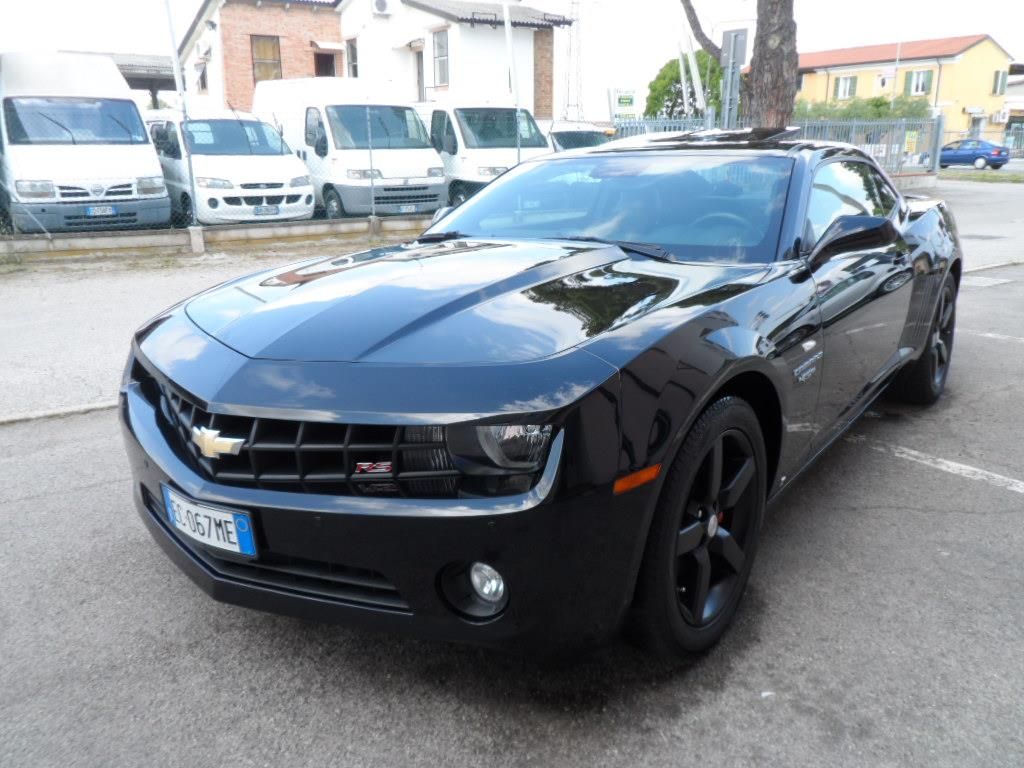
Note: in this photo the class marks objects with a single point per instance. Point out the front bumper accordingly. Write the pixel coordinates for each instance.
(215, 206)
(62, 217)
(419, 196)
(569, 561)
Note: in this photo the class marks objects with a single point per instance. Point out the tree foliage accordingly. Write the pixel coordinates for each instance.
(876, 108)
(665, 92)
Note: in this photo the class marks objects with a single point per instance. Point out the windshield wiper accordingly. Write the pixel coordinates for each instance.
(131, 136)
(644, 249)
(59, 124)
(440, 237)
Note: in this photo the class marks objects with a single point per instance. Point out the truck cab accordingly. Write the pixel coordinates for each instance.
(74, 151)
(478, 141)
(365, 153)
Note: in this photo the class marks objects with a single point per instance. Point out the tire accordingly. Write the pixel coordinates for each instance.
(980, 163)
(703, 527)
(333, 207)
(185, 216)
(923, 381)
(997, 167)
(458, 195)
(943, 165)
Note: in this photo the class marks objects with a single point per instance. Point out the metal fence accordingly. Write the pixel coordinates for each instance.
(899, 146)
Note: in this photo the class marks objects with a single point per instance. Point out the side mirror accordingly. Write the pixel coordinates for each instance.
(440, 213)
(448, 144)
(160, 137)
(321, 146)
(854, 233)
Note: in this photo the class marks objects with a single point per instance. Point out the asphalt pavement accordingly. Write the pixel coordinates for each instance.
(882, 626)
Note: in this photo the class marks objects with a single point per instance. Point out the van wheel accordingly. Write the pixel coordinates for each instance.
(333, 207)
(980, 163)
(185, 217)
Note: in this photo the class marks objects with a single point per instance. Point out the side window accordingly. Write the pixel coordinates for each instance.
(844, 188)
(954, 145)
(449, 131)
(885, 195)
(314, 126)
(969, 145)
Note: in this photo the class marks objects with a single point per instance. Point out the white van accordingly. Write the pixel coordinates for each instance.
(74, 152)
(574, 134)
(356, 144)
(477, 141)
(244, 170)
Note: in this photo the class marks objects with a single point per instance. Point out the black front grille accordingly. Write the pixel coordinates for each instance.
(395, 199)
(318, 457)
(117, 218)
(403, 190)
(120, 190)
(267, 185)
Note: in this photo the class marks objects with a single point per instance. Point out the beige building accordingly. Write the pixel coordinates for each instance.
(963, 78)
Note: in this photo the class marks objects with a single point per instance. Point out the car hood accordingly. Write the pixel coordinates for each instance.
(249, 169)
(458, 302)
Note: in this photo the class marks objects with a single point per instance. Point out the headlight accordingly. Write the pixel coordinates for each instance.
(500, 448)
(491, 170)
(299, 181)
(37, 190)
(363, 173)
(203, 181)
(150, 185)
(435, 172)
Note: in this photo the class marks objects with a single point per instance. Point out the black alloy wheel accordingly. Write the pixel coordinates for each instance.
(186, 211)
(923, 381)
(714, 528)
(704, 534)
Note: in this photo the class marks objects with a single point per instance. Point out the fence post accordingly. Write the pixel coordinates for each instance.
(938, 134)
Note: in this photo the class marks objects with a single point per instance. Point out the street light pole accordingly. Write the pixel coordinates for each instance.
(512, 75)
(179, 84)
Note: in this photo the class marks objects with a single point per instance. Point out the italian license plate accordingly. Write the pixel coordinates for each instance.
(219, 528)
(266, 210)
(407, 209)
(100, 210)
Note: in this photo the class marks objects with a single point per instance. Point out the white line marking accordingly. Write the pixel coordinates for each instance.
(982, 267)
(996, 336)
(57, 413)
(976, 281)
(953, 467)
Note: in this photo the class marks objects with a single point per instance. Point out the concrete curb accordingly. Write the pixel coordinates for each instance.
(197, 239)
(57, 413)
(981, 268)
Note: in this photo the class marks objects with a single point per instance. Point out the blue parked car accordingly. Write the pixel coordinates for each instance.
(974, 152)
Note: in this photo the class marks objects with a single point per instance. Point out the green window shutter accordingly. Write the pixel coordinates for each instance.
(908, 82)
(928, 81)
(835, 90)
(1003, 77)
(995, 83)
(853, 86)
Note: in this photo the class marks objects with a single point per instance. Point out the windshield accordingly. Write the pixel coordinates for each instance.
(388, 127)
(577, 139)
(491, 127)
(697, 207)
(233, 137)
(67, 120)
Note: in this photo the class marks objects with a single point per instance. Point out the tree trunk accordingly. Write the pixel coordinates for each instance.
(703, 40)
(773, 68)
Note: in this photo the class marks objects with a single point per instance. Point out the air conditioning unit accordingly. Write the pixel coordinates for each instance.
(382, 7)
(1000, 117)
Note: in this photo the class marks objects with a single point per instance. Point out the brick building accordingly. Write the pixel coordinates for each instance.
(232, 44)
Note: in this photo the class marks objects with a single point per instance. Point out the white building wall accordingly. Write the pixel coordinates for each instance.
(214, 97)
(479, 64)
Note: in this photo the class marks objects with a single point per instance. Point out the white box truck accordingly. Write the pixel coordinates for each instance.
(357, 144)
(74, 152)
(244, 171)
(477, 141)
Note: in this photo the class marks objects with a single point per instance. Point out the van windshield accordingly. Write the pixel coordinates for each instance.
(233, 137)
(73, 120)
(494, 127)
(578, 139)
(354, 127)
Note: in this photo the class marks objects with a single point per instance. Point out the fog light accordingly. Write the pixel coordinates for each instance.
(309, 199)
(487, 582)
(212, 202)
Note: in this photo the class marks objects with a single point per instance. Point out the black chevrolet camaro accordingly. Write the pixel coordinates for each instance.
(560, 411)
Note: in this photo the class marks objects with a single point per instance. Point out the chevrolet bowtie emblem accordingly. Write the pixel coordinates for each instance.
(212, 445)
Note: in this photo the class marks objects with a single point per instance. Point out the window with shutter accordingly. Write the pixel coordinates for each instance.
(266, 58)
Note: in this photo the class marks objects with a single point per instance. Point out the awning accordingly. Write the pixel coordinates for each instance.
(327, 46)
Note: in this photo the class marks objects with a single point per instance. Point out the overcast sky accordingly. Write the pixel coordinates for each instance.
(635, 36)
